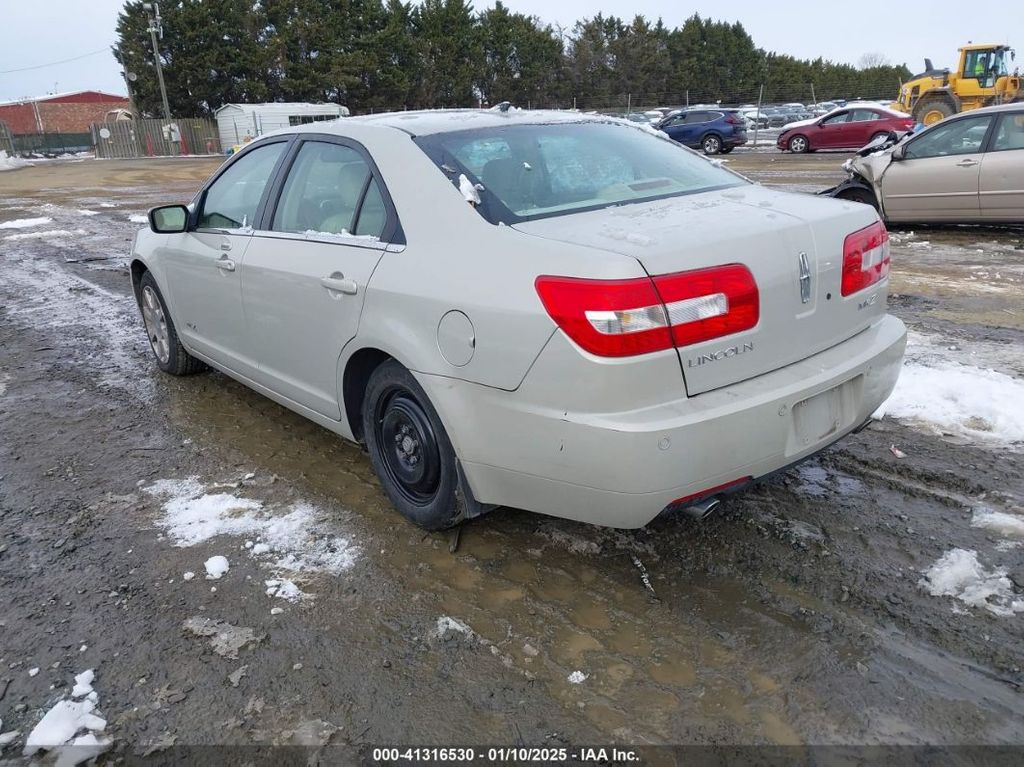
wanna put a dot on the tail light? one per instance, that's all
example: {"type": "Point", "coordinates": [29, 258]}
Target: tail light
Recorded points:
{"type": "Point", "coordinates": [865, 258]}
{"type": "Point", "coordinates": [734, 120]}
{"type": "Point", "coordinates": [621, 318]}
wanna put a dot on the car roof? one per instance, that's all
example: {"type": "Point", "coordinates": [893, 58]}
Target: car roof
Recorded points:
{"type": "Point", "coordinates": [1016, 106]}
{"type": "Point", "coordinates": [430, 121]}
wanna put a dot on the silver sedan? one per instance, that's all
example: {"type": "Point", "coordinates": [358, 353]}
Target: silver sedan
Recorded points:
{"type": "Point", "coordinates": [568, 314]}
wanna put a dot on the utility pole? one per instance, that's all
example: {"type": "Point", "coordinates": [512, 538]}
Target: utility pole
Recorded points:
{"type": "Point", "coordinates": [155, 27]}
{"type": "Point", "coordinates": [127, 82]}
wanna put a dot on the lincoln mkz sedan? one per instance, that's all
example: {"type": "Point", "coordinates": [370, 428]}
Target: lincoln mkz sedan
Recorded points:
{"type": "Point", "coordinates": [568, 314]}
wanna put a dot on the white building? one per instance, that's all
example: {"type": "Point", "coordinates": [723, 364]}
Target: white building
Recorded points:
{"type": "Point", "coordinates": [235, 122]}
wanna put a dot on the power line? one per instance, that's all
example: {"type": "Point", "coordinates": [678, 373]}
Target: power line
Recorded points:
{"type": "Point", "coordinates": [54, 63]}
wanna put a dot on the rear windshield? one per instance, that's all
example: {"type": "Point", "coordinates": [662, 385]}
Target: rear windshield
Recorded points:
{"type": "Point", "coordinates": [536, 171]}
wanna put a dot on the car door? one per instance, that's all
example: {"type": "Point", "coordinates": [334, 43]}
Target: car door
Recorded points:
{"type": "Point", "coordinates": [307, 268]}
{"type": "Point", "coordinates": [692, 128]}
{"type": "Point", "coordinates": [201, 265]}
{"type": "Point", "coordinates": [829, 131]}
{"type": "Point", "coordinates": [937, 177]}
{"type": "Point", "coordinates": [1001, 182]}
{"type": "Point", "coordinates": [863, 124]}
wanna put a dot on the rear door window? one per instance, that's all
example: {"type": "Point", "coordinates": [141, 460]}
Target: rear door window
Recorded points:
{"type": "Point", "coordinates": [864, 115]}
{"type": "Point", "coordinates": [323, 191]}
{"type": "Point", "coordinates": [1010, 133]}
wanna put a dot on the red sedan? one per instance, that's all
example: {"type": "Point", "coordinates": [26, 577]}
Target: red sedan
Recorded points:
{"type": "Point", "coordinates": [848, 128]}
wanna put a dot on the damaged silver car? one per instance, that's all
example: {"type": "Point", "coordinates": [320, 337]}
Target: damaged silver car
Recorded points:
{"type": "Point", "coordinates": [966, 169]}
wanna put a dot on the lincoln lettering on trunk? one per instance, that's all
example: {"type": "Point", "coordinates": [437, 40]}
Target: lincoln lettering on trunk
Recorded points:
{"type": "Point", "coordinates": [732, 351]}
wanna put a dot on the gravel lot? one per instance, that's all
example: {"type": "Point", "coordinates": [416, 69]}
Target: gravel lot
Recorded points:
{"type": "Point", "coordinates": [873, 595]}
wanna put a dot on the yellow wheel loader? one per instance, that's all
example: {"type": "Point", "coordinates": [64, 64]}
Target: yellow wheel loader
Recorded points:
{"type": "Point", "coordinates": [982, 79]}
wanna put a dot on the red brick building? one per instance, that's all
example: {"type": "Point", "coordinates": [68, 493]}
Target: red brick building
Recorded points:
{"type": "Point", "coordinates": [60, 113]}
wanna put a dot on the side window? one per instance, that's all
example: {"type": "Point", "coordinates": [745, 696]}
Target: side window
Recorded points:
{"type": "Point", "coordinates": [322, 191]}
{"type": "Point", "coordinates": [863, 115]}
{"type": "Point", "coordinates": [232, 199]}
{"type": "Point", "coordinates": [696, 117]}
{"type": "Point", "coordinates": [1010, 133]}
{"type": "Point", "coordinates": [958, 137]}
{"type": "Point", "coordinates": [836, 119]}
{"type": "Point", "coordinates": [372, 214]}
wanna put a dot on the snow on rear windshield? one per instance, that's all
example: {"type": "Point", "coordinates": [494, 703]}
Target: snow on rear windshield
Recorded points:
{"type": "Point", "coordinates": [536, 171]}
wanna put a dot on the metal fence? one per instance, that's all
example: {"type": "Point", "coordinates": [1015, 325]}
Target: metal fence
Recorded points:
{"type": "Point", "coordinates": [125, 139]}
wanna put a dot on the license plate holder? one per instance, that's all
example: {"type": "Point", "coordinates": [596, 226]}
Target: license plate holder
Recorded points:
{"type": "Point", "coordinates": [820, 417]}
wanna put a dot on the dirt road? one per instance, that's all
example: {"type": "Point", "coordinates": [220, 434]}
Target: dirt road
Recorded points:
{"type": "Point", "coordinates": [803, 612]}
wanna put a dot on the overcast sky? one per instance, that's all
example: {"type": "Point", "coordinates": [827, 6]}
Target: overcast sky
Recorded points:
{"type": "Point", "coordinates": [34, 33]}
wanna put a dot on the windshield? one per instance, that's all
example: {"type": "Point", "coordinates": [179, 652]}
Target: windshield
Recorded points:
{"type": "Point", "coordinates": [536, 171]}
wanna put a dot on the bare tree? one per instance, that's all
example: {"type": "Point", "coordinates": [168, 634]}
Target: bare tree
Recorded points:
{"type": "Point", "coordinates": [872, 60]}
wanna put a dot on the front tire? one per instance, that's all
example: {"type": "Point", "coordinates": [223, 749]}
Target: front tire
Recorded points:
{"type": "Point", "coordinates": [711, 144]}
{"type": "Point", "coordinates": [171, 356]}
{"type": "Point", "coordinates": [409, 449]}
{"type": "Point", "coordinates": [799, 145]}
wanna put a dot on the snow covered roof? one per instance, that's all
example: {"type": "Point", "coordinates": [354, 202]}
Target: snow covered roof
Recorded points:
{"type": "Point", "coordinates": [425, 122]}
{"type": "Point", "coordinates": [293, 107]}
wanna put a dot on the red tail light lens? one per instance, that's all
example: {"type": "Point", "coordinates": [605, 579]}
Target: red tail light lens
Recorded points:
{"type": "Point", "coordinates": [621, 318]}
{"type": "Point", "coordinates": [865, 258]}
{"type": "Point", "coordinates": [734, 120]}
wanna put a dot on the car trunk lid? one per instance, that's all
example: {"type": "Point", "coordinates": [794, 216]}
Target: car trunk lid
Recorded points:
{"type": "Point", "coordinates": [792, 244]}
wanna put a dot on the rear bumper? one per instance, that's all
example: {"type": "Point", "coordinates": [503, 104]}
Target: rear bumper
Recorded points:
{"type": "Point", "coordinates": [621, 469]}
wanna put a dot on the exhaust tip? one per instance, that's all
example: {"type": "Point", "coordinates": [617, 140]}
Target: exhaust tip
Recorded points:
{"type": "Point", "coordinates": [702, 509]}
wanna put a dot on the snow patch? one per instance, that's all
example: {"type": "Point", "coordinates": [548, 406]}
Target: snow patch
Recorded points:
{"type": "Point", "coordinates": [69, 728]}
{"type": "Point", "coordinates": [446, 624]}
{"type": "Point", "coordinates": [49, 234]}
{"type": "Point", "coordinates": [469, 190]}
{"type": "Point", "coordinates": [945, 395]}
{"type": "Point", "coordinates": [577, 677]}
{"type": "Point", "coordinates": [292, 538]}
{"type": "Point", "coordinates": [284, 589]}
{"type": "Point", "coordinates": [137, 218]}
{"type": "Point", "coordinates": [26, 223]}
{"type": "Point", "coordinates": [999, 522]}
{"type": "Point", "coordinates": [958, 573]}
{"type": "Point", "coordinates": [84, 212]}
{"type": "Point", "coordinates": [83, 684]}
{"type": "Point", "coordinates": [11, 163]}
{"type": "Point", "coordinates": [216, 567]}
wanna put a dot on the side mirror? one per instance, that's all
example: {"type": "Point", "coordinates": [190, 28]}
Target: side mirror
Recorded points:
{"type": "Point", "coordinates": [168, 219]}
{"type": "Point", "coordinates": [898, 152]}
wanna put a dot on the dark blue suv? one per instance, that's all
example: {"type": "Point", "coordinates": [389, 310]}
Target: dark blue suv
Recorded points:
{"type": "Point", "coordinates": [710, 130]}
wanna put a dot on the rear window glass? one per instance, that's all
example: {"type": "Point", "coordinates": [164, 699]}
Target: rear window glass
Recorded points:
{"type": "Point", "coordinates": [537, 171]}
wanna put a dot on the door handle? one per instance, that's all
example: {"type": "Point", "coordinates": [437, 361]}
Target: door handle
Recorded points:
{"type": "Point", "coordinates": [967, 163]}
{"type": "Point", "coordinates": [337, 283]}
{"type": "Point", "coordinates": [225, 264]}
{"type": "Point", "coordinates": [225, 246]}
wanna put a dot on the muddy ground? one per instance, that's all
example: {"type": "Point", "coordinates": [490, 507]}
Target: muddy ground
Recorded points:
{"type": "Point", "coordinates": [796, 615]}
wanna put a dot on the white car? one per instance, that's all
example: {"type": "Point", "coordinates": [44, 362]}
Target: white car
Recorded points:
{"type": "Point", "coordinates": [545, 310]}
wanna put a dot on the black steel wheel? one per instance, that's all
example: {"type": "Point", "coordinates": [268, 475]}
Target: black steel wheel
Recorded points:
{"type": "Point", "coordinates": [409, 448]}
